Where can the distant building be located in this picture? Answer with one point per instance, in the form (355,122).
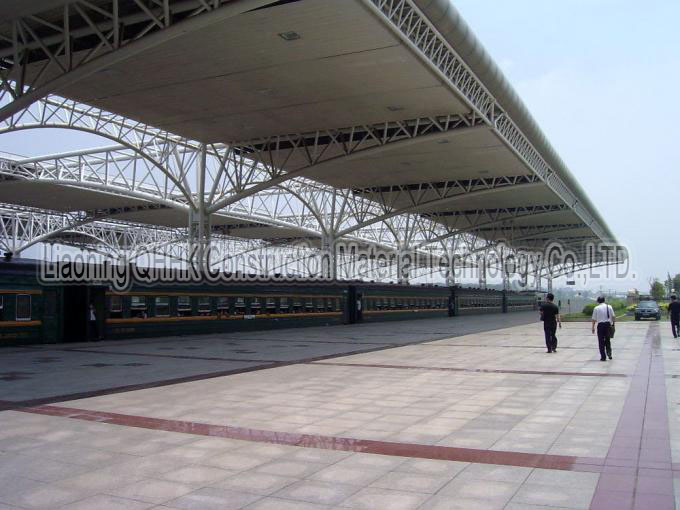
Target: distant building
(633,297)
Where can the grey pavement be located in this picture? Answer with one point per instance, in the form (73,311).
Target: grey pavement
(66,371)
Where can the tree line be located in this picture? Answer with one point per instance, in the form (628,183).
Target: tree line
(661,290)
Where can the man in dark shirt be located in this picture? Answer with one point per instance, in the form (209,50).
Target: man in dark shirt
(550,315)
(674,313)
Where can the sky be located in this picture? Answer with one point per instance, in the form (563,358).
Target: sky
(601,78)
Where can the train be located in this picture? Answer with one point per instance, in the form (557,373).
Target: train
(35,312)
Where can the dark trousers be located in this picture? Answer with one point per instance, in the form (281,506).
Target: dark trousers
(93,330)
(604,340)
(675,326)
(550,328)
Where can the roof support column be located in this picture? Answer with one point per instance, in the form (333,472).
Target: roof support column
(481,269)
(525,276)
(449,246)
(8,237)
(329,259)
(199,219)
(504,271)
(404,264)
(537,279)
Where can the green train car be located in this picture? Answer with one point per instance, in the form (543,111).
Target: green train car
(32,313)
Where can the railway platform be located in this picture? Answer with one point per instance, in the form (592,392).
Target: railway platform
(400,415)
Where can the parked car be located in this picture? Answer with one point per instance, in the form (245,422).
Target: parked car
(646,310)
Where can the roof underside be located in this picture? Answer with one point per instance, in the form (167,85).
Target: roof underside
(239,81)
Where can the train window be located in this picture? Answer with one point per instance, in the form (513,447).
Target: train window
(138,302)
(23,307)
(297,305)
(320,306)
(309,305)
(162,306)
(223,303)
(2,306)
(240,306)
(284,305)
(204,306)
(184,304)
(138,306)
(330,305)
(271,305)
(255,306)
(116,305)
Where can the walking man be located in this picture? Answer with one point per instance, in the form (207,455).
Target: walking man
(674,313)
(603,319)
(550,315)
(92,324)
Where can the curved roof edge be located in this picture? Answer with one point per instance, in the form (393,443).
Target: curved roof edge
(451,25)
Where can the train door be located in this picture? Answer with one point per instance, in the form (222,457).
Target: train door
(75,313)
(51,325)
(77,300)
(354,305)
(350,308)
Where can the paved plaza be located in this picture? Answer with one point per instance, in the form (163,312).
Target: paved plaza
(465,413)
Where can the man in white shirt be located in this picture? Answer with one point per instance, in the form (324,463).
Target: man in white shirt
(603,319)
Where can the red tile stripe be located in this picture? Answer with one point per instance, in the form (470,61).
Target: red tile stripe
(474,370)
(558,462)
(638,469)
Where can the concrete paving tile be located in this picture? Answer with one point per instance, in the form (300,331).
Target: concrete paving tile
(351,475)
(565,479)
(257,483)
(152,491)
(285,504)
(480,489)
(432,467)
(441,502)
(399,480)
(40,496)
(512,474)
(317,455)
(322,493)
(96,481)
(107,502)
(372,461)
(213,498)
(290,468)
(196,475)
(372,498)
(553,495)
(235,462)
